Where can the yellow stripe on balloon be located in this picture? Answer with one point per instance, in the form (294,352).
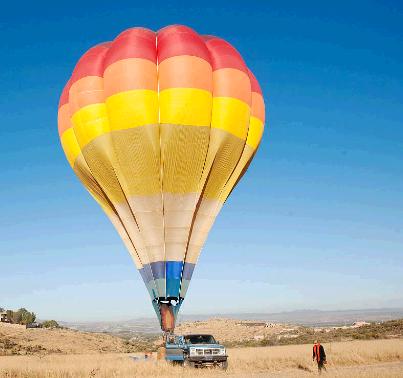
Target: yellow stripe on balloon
(255,132)
(132,108)
(90,122)
(231,115)
(185,106)
(70,146)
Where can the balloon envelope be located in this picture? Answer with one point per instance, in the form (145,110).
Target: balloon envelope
(160,127)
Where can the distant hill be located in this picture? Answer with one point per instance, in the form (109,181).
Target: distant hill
(311,318)
(257,333)
(124,328)
(17,340)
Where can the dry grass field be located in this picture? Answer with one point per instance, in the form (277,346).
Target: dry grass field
(373,358)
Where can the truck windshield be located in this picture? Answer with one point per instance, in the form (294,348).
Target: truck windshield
(200,339)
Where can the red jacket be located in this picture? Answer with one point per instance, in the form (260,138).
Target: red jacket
(318,353)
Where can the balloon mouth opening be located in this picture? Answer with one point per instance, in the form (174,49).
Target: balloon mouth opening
(170,301)
(168,308)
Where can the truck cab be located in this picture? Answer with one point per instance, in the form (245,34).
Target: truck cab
(196,350)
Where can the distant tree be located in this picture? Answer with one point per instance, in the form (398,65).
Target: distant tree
(26,317)
(2,309)
(22,316)
(16,317)
(10,316)
(50,324)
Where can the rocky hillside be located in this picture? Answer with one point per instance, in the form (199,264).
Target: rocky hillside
(231,330)
(251,333)
(15,339)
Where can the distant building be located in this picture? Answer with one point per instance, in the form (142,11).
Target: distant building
(359,324)
(4,318)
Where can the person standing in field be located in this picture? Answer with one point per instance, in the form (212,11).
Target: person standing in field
(318,354)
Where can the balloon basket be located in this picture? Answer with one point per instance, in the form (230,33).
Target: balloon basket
(167,318)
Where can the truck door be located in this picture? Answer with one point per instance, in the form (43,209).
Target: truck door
(174,348)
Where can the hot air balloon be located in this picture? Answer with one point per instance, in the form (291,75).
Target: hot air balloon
(160,127)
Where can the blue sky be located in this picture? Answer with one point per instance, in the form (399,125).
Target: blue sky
(319,213)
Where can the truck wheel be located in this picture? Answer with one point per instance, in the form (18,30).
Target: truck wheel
(224,365)
(187,363)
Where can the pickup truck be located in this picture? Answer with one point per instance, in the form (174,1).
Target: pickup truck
(196,351)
